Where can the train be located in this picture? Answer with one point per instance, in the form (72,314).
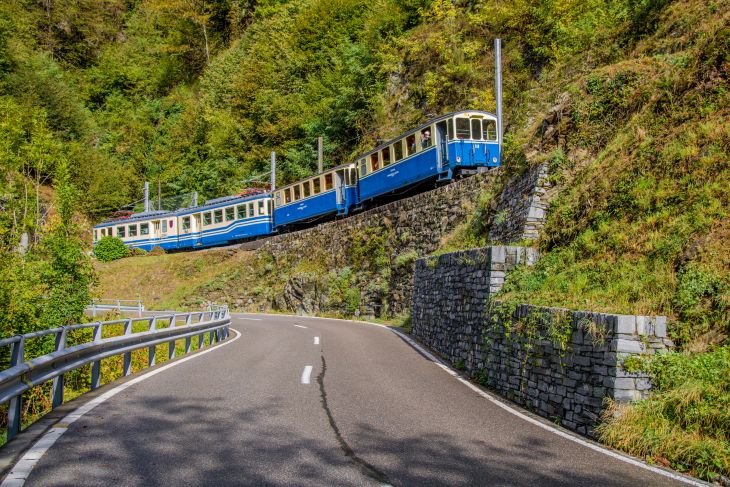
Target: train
(440,150)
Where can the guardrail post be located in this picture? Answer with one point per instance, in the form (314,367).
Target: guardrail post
(17,357)
(93,309)
(58,380)
(188,341)
(127,365)
(171,343)
(119,305)
(201,340)
(96,366)
(151,352)
(211,339)
(139,308)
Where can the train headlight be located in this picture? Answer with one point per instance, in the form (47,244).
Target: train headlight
(494,159)
(458,159)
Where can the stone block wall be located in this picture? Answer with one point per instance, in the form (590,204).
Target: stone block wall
(559,363)
(521,208)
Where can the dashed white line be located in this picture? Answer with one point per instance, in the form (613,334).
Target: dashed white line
(249,319)
(300,326)
(22,469)
(306,373)
(316,340)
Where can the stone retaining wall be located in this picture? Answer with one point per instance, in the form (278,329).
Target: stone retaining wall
(562,364)
(521,208)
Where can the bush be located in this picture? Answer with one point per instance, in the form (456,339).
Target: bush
(157,250)
(110,248)
(136,251)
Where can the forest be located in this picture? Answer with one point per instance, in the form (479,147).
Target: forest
(626,100)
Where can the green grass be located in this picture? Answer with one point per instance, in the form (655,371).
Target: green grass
(685,423)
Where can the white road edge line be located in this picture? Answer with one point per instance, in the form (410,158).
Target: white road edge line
(618,456)
(300,326)
(306,373)
(316,340)
(23,467)
(249,319)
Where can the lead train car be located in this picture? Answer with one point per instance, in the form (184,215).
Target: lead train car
(218,222)
(458,143)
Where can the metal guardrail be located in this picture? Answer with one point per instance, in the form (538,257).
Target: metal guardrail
(116,304)
(23,375)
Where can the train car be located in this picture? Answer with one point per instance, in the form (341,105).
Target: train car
(455,144)
(334,192)
(142,230)
(223,220)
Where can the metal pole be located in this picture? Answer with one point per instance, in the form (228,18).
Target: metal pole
(195,198)
(146,196)
(498,90)
(273,171)
(320,155)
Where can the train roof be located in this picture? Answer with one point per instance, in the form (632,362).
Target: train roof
(221,202)
(135,217)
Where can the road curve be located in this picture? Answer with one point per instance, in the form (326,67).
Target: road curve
(370,410)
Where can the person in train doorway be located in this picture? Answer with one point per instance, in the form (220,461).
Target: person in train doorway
(425,139)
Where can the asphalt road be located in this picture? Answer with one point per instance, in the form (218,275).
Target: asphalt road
(375,412)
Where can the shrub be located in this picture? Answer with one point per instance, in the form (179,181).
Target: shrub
(110,248)
(157,250)
(136,251)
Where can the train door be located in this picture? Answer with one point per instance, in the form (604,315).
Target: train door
(155,230)
(441,146)
(197,230)
(340,189)
(478,156)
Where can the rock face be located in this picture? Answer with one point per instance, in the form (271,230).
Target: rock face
(559,363)
(379,245)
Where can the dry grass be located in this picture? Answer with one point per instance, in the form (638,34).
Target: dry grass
(162,281)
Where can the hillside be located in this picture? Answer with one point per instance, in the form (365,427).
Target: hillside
(625,100)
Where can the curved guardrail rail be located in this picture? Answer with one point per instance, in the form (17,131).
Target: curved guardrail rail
(115,305)
(23,375)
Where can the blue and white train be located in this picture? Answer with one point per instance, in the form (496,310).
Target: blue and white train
(455,144)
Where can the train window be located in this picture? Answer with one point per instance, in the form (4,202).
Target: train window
(297,192)
(164,226)
(218,216)
(307,188)
(328,182)
(268,206)
(363,168)
(462,128)
(398,150)
(353,176)
(489,128)
(250,210)
(144,228)
(386,156)
(317,184)
(426,139)
(347,177)
(374,162)
(120,232)
(476,129)
(278,198)
(132,230)
(262,207)
(207,218)
(450,129)
(230,213)
(241,210)
(411,144)
(287,195)
(186,223)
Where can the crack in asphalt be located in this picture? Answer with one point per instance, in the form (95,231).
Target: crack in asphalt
(365,468)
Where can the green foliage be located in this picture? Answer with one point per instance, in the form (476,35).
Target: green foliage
(110,248)
(405,259)
(686,421)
